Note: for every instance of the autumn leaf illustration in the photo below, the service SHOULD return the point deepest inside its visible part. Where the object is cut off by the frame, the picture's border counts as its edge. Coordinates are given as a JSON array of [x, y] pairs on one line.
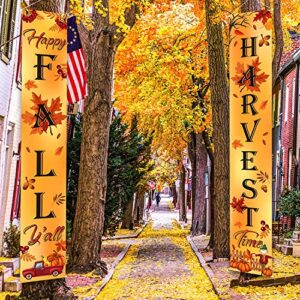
[[244, 79], [263, 105], [59, 199], [237, 144], [28, 184], [263, 15], [28, 149], [238, 204], [247, 254], [265, 133], [264, 142], [238, 32], [59, 150], [58, 136], [30, 84], [262, 176], [54, 110], [238, 224], [264, 40], [62, 245], [27, 257]]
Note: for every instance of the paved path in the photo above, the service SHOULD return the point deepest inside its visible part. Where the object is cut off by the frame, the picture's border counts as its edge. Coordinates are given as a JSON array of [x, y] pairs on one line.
[[161, 265]]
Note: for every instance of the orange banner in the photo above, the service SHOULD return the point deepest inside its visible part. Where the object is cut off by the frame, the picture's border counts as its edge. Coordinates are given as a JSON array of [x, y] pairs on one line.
[[44, 128], [251, 143]]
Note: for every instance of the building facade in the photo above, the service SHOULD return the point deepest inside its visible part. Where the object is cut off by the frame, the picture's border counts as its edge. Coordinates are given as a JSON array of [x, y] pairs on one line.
[[286, 126], [10, 112]]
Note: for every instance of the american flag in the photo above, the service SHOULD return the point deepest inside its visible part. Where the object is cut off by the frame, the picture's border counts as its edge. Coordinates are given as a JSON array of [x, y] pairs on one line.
[[77, 76]]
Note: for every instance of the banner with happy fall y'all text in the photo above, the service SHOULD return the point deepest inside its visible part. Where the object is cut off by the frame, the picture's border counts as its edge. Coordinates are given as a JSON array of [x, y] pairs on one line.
[[43, 153], [251, 143]]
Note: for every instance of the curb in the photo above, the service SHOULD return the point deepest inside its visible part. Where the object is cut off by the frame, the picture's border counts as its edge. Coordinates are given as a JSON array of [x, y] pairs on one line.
[[129, 236], [209, 272], [203, 264], [110, 274]]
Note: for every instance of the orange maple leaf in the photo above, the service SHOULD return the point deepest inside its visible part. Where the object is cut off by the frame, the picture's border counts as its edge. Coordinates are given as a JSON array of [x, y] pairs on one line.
[[54, 109], [30, 84], [259, 77], [237, 144]]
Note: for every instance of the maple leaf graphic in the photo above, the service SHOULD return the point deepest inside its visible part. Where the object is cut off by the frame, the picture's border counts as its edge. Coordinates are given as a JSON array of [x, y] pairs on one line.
[[30, 118], [259, 77], [62, 245], [30, 84], [237, 144], [238, 204], [263, 16]]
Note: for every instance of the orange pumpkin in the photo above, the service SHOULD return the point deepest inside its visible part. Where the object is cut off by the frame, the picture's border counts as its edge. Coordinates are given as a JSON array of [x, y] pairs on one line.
[[267, 272], [56, 259], [243, 266], [233, 264]]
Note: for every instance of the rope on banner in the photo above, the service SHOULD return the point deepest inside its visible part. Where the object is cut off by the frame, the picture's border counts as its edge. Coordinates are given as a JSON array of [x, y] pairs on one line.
[[23, 5]]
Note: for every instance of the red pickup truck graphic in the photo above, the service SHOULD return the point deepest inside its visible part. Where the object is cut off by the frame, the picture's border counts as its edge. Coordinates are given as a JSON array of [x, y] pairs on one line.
[[39, 269]]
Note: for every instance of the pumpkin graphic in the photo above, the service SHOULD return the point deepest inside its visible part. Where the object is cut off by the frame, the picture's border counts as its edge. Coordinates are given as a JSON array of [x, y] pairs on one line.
[[267, 272], [233, 264], [243, 266]]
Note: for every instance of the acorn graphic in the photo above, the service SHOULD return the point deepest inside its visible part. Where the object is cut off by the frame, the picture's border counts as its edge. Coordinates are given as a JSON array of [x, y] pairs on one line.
[[264, 188]]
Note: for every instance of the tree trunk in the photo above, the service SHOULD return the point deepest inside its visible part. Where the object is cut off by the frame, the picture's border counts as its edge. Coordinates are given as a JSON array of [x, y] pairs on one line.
[[140, 206], [199, 215], [182, 198], [89, 218], [57, 288], [175, 196], [279, 41], [220, 112], [250, 5], [192, 156], [100, 46], [127, 222], [211, 243]]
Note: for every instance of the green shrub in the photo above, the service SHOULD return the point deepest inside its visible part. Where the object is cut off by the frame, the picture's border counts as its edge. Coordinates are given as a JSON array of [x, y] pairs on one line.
[[11, 238], [290, 203]]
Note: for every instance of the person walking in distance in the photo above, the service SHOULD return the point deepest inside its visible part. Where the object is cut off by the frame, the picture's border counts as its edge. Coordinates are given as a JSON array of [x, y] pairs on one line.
[[157, 197]]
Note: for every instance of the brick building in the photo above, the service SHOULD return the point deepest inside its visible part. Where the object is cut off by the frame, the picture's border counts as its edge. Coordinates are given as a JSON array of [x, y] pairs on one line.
[[10, 110], [286, 127]]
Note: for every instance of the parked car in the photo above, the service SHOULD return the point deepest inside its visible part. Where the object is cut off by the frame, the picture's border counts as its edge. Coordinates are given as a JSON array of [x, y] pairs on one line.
[[40, 269]]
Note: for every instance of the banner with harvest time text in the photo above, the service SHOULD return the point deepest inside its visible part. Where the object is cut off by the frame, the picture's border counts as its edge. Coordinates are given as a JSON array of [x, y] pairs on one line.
[[44, 128], [251, 143]]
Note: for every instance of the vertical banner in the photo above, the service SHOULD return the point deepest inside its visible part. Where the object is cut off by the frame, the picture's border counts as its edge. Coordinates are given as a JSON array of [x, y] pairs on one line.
[[44, 128], [251, 143]]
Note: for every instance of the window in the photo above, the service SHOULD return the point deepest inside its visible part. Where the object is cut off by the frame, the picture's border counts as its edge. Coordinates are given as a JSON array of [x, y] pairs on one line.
[[279, 116], [286, 106], [39, 265], [7, 28]]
